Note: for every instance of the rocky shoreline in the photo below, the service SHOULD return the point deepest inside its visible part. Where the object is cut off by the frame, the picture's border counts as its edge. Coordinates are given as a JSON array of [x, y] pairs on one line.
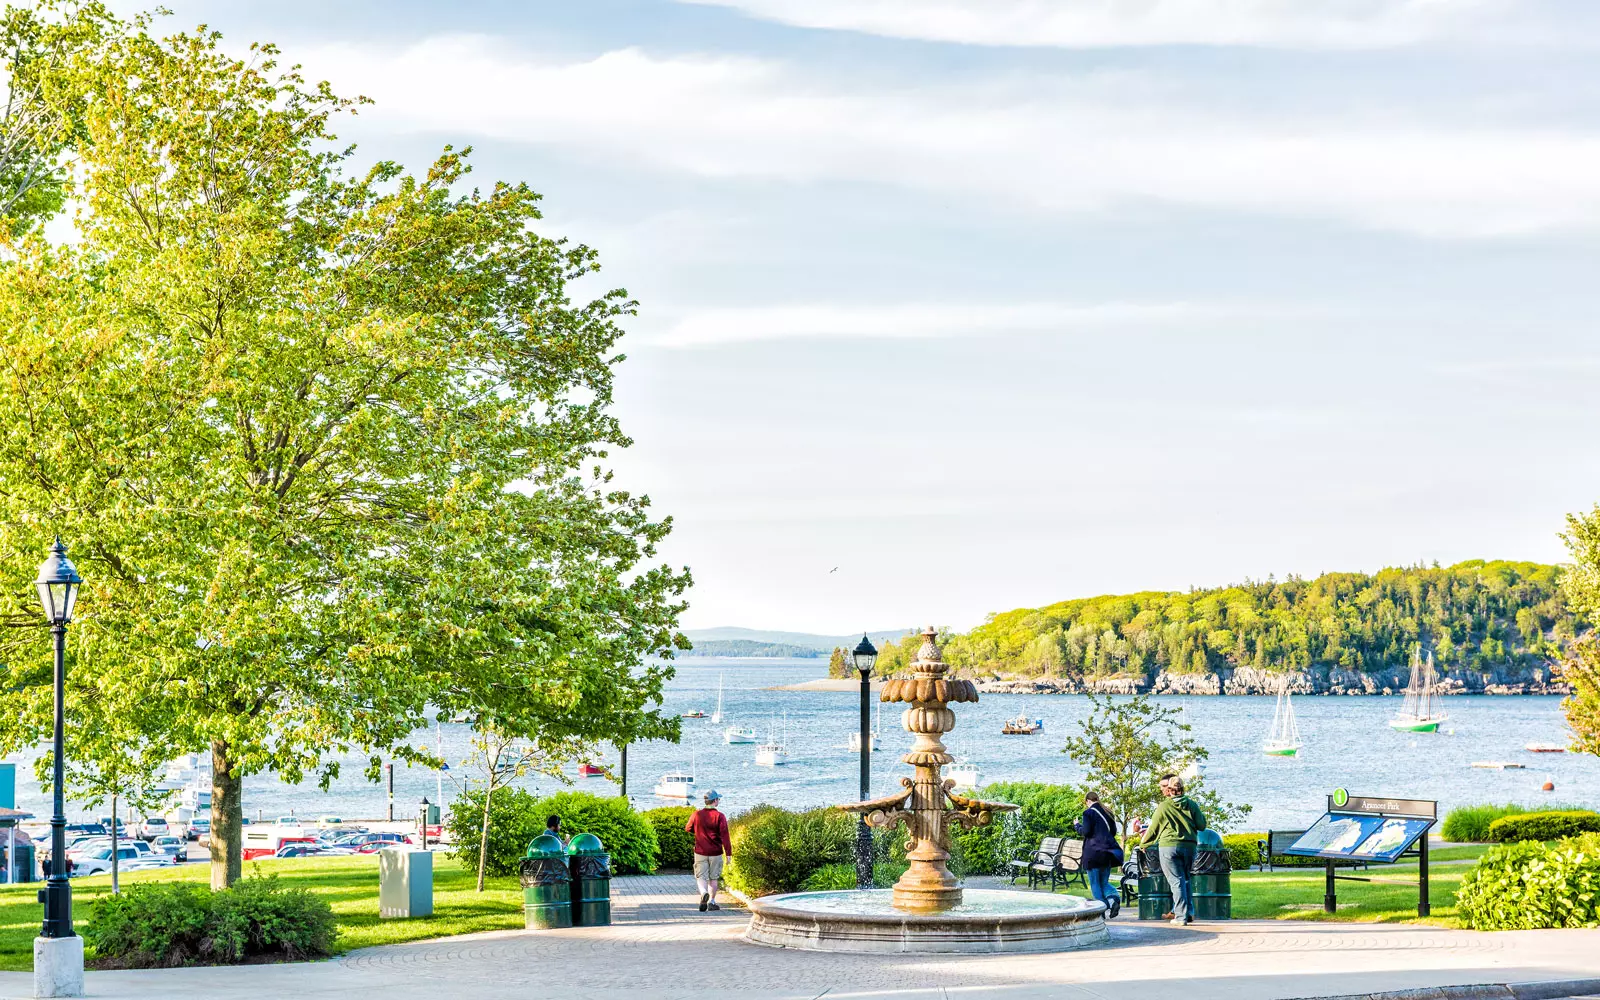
[[1250, 681]]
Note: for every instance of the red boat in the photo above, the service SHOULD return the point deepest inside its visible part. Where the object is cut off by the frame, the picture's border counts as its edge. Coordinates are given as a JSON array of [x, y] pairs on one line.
[[592, 771]]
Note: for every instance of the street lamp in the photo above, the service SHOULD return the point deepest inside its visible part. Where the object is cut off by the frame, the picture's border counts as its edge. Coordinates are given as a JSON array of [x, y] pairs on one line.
[[422, 818], [56, 973], [864, 656]]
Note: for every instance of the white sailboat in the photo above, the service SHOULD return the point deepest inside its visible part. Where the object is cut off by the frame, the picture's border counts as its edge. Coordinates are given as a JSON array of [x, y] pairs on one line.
[[716, 717], [773, 752], [1419, 713], [1284, 740]]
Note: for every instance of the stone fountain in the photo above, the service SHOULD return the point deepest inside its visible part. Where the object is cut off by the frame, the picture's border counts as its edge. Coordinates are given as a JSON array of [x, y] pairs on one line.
[[927, 910]]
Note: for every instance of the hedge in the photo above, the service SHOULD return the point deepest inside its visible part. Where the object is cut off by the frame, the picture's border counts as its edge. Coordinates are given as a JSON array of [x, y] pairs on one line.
[[677, 844], [1544, 825], [842, 876], [1046, 811], [775, 850], [165, 924], [514, 820], [628, 836], [1529, 884], [1470, 824]]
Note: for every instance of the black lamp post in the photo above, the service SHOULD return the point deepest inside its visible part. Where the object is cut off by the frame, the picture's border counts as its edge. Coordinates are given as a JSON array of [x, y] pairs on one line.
[[422, 818], [58, 591], [864, 656]]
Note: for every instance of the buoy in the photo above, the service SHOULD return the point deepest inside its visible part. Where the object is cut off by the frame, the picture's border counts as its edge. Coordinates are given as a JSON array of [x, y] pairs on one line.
[[1548, 786]]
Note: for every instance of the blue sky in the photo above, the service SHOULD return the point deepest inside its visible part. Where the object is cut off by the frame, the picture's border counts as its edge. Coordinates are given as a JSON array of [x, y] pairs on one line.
[[992, 303]]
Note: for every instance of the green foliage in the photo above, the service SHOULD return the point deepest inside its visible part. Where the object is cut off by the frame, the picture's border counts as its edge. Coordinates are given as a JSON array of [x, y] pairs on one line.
[[514, 820], [1529, 884], [1047, 811], [1544, 825], [677, 844], [843, 876], [627, 836], [1470, 824], [1244, 850], [339, 440], [1475, 615], [165, 924], [775, 850]]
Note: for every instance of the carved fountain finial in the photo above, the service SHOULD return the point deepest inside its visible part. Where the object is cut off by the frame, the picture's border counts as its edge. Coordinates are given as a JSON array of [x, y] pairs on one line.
[[928, 806]]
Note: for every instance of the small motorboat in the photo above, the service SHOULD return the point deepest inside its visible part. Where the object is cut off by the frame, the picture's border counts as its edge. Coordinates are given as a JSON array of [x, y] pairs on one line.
[[1545, 748], [675, 785], [592, 771], [739, 734], [964, 773], [774, 752], [696, 714], [1498, 765], [1022, 726]]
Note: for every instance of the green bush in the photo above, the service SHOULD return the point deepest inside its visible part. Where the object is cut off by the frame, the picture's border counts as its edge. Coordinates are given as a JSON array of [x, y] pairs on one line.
[[1470, 824], [1047, 811], [166, 924], [1544, 825], [775, 850], [514, 820], [677, 844], [627, 835], [843, 876], [1529, 884], [1244, 850]]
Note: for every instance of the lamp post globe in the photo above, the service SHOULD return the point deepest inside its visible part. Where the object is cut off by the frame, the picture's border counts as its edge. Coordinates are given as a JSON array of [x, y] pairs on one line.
[[58, 584], [864, 656]]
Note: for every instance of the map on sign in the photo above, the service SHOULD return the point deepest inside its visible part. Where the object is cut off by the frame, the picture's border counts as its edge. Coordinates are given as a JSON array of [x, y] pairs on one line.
[[1363, 838]]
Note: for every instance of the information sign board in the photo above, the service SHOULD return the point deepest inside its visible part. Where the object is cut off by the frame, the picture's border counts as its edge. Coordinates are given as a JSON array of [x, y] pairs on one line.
[[1359, 837]]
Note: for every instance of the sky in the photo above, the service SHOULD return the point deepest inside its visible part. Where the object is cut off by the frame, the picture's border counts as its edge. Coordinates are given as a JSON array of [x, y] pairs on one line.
[[954, 306]]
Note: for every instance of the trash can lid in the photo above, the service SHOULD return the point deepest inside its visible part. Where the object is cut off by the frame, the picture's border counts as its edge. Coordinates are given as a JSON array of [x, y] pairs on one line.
[[1208, 840], [546, 845], [585, 844]]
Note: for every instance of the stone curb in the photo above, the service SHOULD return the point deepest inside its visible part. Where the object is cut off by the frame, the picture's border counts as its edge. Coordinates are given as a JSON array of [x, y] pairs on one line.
[[1548, 990]]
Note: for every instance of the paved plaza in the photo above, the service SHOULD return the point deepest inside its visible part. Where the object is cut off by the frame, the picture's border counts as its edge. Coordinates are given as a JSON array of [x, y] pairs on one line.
[[660, 946]]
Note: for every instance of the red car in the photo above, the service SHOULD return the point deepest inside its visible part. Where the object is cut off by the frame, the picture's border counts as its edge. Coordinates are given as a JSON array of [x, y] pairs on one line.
[[371, 843]]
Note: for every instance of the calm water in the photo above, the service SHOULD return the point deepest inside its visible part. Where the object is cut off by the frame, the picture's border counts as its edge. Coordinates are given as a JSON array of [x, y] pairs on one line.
[[1347, 743]]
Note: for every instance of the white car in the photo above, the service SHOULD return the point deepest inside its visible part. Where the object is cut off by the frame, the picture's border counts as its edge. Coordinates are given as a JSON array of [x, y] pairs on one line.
[[174, 848], [98, 861], [153, 827], [139, 848]]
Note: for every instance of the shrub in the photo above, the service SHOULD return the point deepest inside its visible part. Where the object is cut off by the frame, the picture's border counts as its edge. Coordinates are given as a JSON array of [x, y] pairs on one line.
[[1244, 850], [1470, 824], [165, 924], [627, 835], [829, 877], [1047, 811], [775, 850], [677, 844], [1528, 884], [1544, 825], [514, 820]]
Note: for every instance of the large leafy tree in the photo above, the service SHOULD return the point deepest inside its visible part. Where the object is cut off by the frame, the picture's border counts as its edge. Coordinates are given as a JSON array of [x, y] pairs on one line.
[[328, 445], [1581, 585]]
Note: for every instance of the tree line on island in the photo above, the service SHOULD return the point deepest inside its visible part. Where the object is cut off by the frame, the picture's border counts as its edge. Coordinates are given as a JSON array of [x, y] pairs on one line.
[[1476, 615]]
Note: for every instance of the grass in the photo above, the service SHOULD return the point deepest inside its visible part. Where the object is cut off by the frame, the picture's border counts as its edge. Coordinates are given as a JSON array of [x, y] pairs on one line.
[[1277, 895], [349, 884]]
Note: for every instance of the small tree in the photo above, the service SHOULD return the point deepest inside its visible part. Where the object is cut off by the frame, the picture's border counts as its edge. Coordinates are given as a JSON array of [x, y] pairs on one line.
[[1580, 584], [1126, 745], [120, 768], [501, 757]]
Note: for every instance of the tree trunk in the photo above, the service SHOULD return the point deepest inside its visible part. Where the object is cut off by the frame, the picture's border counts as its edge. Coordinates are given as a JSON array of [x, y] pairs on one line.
[[227, 819], [483, 841], [116, 844]]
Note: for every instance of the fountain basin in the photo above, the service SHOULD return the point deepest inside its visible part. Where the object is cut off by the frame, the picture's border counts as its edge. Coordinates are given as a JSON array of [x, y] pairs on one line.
[[987, 921]]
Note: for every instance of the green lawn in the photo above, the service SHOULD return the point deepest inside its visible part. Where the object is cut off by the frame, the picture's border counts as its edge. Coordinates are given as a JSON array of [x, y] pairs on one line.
[[350, 884], [1296, 894]]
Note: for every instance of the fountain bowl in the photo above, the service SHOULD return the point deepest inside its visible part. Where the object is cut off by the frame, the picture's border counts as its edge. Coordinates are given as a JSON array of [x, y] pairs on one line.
[[987, 921]]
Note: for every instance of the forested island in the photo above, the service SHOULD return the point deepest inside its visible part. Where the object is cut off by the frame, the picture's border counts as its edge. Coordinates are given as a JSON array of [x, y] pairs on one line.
[[1493, 627], [747, 647]]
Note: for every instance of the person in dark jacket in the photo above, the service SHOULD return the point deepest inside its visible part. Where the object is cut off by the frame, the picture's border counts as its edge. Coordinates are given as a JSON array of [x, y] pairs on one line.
[[1098, 828]]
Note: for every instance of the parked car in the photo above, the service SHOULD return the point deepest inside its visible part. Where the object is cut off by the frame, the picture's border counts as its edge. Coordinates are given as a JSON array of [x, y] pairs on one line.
[[310, 851], [73, 829], [153, 827], [98, 861], [173, 847], [371, 843], [139, 847], [199, 827]]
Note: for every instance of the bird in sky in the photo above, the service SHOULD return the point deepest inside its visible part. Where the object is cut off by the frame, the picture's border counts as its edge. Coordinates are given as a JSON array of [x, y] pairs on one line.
[[834, 570]]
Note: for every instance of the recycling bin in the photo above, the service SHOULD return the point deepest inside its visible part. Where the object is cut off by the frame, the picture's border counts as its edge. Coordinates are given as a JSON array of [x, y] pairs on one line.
[[1209, 885], [1155, 897], [591, 881], [546, 884]]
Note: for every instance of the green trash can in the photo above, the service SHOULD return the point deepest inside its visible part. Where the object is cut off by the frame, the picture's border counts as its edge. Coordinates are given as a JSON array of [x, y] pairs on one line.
[[1209, 885], [1155, 897], [546, 884], [591, 881]]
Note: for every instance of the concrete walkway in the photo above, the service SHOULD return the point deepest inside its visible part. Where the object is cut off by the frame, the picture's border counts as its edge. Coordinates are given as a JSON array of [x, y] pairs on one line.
[[660, 946]]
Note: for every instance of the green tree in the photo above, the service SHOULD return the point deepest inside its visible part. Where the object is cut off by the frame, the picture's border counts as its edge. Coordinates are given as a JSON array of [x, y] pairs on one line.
[[109, 762], [328, 447], [1581, 585]]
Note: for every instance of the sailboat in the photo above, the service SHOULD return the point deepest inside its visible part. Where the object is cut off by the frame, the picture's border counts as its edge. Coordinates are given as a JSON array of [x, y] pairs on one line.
[[853, 744], [773, 752], [1284, 740], [1419, 714], [716, 717]]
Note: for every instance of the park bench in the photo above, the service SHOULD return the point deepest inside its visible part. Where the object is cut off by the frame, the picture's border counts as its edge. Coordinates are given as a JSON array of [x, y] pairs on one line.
[[1068, 868], [1049, 850]]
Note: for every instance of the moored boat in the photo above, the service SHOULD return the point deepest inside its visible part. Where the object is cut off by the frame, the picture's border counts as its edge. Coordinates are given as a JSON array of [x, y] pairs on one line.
[[1022, 726], [675, 785], [964, 774], [1545, 748], [1419, 713], [587, 770], [1284, 739], [739, 734]]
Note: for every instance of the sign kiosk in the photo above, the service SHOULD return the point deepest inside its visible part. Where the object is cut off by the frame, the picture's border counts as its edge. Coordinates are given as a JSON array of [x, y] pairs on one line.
[[1372, 829]]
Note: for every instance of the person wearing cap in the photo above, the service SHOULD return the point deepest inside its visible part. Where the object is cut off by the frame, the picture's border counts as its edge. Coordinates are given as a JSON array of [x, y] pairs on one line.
[[711, 845]]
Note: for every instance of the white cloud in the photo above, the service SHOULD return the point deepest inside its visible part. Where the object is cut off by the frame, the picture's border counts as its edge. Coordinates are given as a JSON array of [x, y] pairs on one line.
[[1036, 143], [930, 319], [1106, 23]]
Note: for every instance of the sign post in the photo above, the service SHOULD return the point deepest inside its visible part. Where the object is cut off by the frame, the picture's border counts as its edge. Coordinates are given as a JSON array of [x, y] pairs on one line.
[[1372, 829]]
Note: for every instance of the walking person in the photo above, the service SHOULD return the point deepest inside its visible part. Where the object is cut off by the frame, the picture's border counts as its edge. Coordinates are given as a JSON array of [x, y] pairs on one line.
[[1172, 829], [711, 845], [1101, 852]]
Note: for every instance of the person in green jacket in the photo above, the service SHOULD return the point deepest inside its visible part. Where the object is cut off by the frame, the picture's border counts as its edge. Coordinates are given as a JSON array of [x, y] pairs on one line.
[[1172, 829]]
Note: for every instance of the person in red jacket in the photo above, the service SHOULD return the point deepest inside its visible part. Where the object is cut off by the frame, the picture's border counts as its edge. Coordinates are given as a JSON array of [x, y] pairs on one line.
[[711, 845]]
